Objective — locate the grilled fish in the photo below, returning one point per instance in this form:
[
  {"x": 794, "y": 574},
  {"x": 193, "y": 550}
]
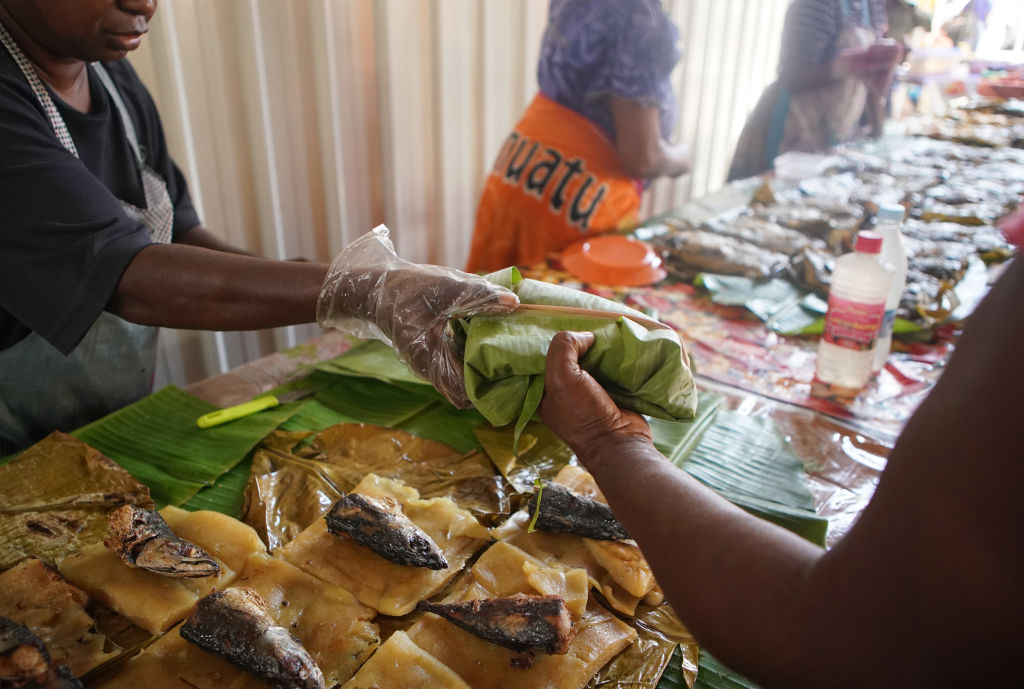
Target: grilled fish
[
  {"x": 141, "y": 538},
  {"x": 25, "y": 663},
  {"x": 521, "y": 622},
  {"x": 563, "y": 511},
  {"x": 689, "y": 251},
  {"x": 235, "y": 624},
  {"x": 382, "y": 526}
]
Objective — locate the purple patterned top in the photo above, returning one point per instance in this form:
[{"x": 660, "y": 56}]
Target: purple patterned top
[{"x": 596, "y": 48}]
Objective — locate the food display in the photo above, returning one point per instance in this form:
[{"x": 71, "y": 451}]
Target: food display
[
  {"x": 504, "y": 570},
  {"x": 954, "y": 194},
  {"x": 381, "y": 583},
  {"x": 57, "y": 495},
  {"x": 383, "y": 587},
  {"x": 615, "y": 568},
  {"x": 152, "y": 600}
]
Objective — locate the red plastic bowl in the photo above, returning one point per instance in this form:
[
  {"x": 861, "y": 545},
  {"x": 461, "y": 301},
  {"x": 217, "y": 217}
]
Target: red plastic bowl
[{"x": 613, "y": 260}]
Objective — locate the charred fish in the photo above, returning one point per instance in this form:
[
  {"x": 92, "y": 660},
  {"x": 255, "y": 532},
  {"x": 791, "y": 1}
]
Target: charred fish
[
  {"x": 563, "y": 511},
  {"x": 381, "y": 526},
  {"x": 235, "y": 624},
  {"x": 141, "y": 538},
  {"x": 25, "y": 663},
  {"x": 521, "y": 622}
]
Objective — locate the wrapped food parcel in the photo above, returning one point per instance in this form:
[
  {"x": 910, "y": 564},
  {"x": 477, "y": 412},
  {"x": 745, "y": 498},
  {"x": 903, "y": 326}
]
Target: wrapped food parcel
[{"x": 642, "y": 369}]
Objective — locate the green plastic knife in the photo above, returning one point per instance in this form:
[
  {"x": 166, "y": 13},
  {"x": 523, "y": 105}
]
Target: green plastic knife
[{"x": 257, "y": 404}]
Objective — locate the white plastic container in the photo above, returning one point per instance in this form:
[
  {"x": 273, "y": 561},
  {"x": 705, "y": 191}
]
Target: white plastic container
[
  {"x": 856, "y": 308},
  {"x": 894, "y": 255}
]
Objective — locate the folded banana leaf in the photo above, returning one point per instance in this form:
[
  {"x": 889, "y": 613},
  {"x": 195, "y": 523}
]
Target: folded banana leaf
[
  {"x": 295, "y": 480},
  {"x": 505, "y": 355},
  {"x": 714, "y": 675},
  {"x": 664, "y": 649},
  {"x": 55, "y": 496}
]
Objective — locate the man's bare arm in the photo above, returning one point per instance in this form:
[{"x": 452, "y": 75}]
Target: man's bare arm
[{"x": 182, "y": 286}]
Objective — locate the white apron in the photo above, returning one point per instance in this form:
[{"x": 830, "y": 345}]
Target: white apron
[{"x": 42, "y": 390}]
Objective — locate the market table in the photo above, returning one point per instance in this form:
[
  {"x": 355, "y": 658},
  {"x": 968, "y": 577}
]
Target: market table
[
  {"x": 843, "y": 463},
  {"x": 755, "y": 384}
]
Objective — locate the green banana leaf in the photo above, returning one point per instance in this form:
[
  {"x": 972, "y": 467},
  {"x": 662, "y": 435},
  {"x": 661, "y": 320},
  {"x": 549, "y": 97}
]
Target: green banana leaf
[
  {"x": 226, "y": 494},
  {"x": 156, "y": 439},
  {"x": 748, "y": 461},
  {"x": 505, "y": 355},
  {"x": 714, "y": 675},
  {"x": 371, "y": 359}
]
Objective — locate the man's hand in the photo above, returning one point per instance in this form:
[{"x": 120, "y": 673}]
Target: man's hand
[
  {"x": 577, "y": 408},
  {"x": 413, "y": 309},
  {"x": 371, "y": 292}
]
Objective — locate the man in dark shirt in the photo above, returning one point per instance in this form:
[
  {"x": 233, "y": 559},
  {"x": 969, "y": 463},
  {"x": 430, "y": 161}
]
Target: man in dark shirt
[{"x": 99, "y": 242}]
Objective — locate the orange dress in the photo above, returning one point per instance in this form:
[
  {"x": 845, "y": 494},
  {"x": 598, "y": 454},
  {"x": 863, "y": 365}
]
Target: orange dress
[{"x": 557, "y": 180}]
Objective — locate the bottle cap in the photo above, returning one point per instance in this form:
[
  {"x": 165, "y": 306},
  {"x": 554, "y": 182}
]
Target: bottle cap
[
  {"x": 868, "y": 242},
  {"x": 891, "y": 211}
]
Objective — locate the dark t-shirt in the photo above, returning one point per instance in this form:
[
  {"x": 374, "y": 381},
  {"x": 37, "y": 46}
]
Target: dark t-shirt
[{"x": 65, "y": 240}]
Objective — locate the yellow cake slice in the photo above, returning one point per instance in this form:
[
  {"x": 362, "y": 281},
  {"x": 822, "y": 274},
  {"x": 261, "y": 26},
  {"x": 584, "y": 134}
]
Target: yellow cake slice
[
  {"x": 616, "y": 568},
  {"x": 153, "y": 601},
  {"x": 504, "y": 570},
  {"x": 173, "y": 663},
  {"x": 401, "y": 664},
  {"x": 328, "y": 621},
  {"x": 390, "y": 588}
]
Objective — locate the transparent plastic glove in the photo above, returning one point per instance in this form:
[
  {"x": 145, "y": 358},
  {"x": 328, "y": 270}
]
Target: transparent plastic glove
[{"x": 371, "y": 292}]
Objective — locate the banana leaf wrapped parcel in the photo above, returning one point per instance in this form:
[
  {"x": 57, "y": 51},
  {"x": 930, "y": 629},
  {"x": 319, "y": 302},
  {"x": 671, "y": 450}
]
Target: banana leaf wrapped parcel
[{"x": 505, "y": 355}]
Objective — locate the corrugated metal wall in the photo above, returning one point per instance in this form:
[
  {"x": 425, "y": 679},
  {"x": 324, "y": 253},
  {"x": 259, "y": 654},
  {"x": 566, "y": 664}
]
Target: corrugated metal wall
[{"x": 300, "y": 124}]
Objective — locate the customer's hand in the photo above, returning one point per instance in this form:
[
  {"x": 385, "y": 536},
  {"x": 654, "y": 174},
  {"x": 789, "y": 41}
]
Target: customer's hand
[
  {"x": 874, "y": 62},
  {"x": 371, "y": 292},
  {"x": 577, "y": 408}
]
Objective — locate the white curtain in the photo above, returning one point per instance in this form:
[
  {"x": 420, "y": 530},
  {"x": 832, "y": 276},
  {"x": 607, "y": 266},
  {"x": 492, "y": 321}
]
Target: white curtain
[{"x": 301, "y": 124}]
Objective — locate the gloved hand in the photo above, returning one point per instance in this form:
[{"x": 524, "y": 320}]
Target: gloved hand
[
  {"x": 371, "y": 292},
  {"x": 576, "y": 407}
]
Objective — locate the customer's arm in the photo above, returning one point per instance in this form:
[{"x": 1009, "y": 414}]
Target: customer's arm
[
  {"x": 643, "y": 152},
  {"x": 925, "y": 589}
]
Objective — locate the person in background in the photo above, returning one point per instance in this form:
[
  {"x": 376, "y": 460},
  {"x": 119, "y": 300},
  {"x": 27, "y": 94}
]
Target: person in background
[
  {"x": 904, "y": 16},
  {"x": 100, "y": 243},
  {"x": 576, "y": 162},
  {"x": 834, "y": 72},
  {"x": 969, "y": 24},
  {"x": 923, "y": 591}
]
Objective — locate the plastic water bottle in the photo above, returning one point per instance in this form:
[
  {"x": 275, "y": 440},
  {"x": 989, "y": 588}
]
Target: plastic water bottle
[
  {"x": 894, "y": 254},
  {"x": 856, "y": 308}
]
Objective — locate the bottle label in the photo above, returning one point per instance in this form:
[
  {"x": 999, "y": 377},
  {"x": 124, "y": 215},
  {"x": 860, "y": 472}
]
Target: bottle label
[{"x": 852, "y": 324}]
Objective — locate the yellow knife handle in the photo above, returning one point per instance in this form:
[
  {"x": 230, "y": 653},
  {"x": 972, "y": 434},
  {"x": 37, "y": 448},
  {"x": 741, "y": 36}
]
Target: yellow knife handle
[{"x": 215, "y": 418}]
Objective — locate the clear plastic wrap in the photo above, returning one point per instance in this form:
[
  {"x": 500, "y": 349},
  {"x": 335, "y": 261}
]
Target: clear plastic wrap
[{"x": 371, "y": 292}]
